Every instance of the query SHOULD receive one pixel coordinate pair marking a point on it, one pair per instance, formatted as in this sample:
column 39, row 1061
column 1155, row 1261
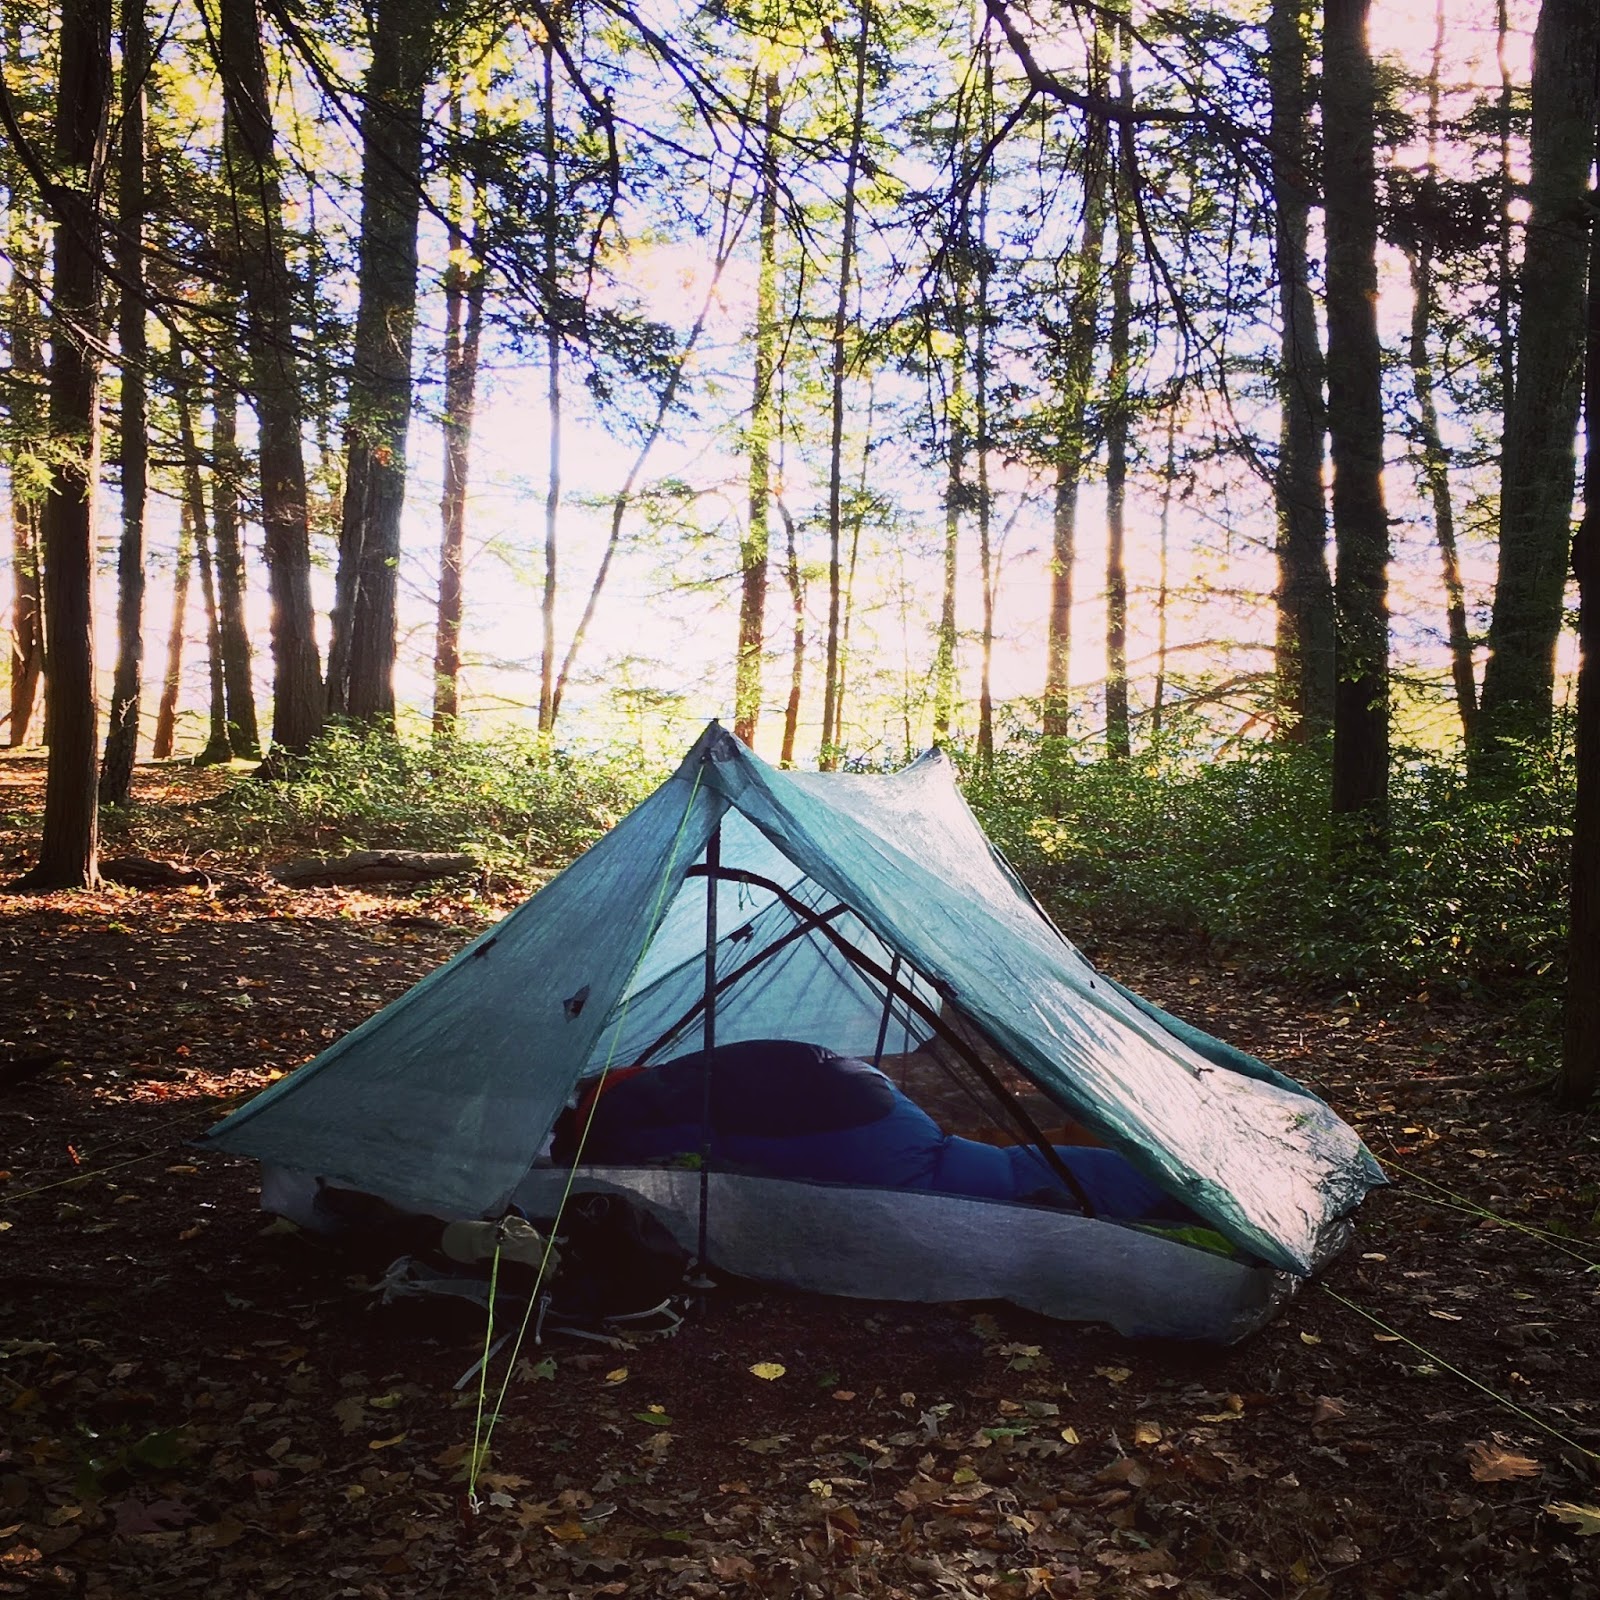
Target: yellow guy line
column 1466, row 1377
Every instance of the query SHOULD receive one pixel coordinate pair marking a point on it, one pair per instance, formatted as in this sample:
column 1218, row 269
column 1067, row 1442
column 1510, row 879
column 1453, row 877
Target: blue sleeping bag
column 785, row 1109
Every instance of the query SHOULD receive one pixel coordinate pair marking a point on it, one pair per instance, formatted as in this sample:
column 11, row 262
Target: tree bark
column 362, row 654
column 1435, row 457
column 955, row 495
column 797, row 648
column 1580, row 1048
column 987, row 565
column 1119, row 743
column 753, row 547
column 1304, row 655
column 1538, row 466
column 1163, row 576
column 219, row 744
column 1355, row 423
column 172, row 678
column 465, row 281
column 274, row 375
column 122, row 731
column 24, row 451
column 68, row 852
column 1074, row 378
column 828, row 758
column 552, row 290
column 237, row 667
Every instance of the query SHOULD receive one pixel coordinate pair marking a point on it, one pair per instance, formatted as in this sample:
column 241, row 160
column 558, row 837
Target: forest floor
column 194, row 1399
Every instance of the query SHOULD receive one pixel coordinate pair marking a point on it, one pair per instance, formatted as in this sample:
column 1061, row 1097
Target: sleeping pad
column 781, row 1108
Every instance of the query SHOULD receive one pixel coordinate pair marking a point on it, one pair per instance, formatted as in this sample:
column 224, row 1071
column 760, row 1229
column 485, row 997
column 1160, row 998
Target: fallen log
column 145, row 872
column 374, row 866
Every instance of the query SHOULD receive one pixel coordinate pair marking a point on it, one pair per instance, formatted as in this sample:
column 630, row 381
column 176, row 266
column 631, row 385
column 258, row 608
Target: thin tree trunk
column 858, row 517
column 122, row 729
column 1304, row 655
column 828, row 758
column 1538, row 465
column 274, row 375
column 1355, row 423
column 172, row 678
column 1118, row 424
column 68, row 851
column 624, row 496
column 988, row 577
column 361, row 660
column 797, row 656
column 552, row 502
column 1435, row 457
column 237, row 666
column 218, row 745
column 24, row 449
column 1076, row 374
column 1580, row 1051
column 1163, row 538
column 1505, row 299
column 944, row 657
column 464, row 288
column 753, row 546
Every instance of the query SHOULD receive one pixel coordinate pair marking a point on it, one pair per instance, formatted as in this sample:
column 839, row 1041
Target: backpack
column 617, row 1260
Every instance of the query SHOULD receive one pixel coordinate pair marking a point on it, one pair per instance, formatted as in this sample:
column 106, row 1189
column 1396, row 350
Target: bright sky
column 681, row 638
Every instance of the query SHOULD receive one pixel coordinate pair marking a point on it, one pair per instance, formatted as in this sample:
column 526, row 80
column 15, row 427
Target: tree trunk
column 237, row 667
column 624, row 496
column 361, row 659
column 1075, row 376
column 218, row 745
column 754, row 545
column 1539, row 462
column 1580, row 1051
column 1355, row 424
column 987, row 574
column 552, row 289
column 1435, row 457
column 835, row 736
column 1164, row 538
column 24, row 442
column 172, row 679
column 955, row 489
column 1119, row 745
column 797, row 649
column 122, row 730
column 828, row 758
column 465, row 281
column 274, row 373
column 1505, row 299
column 68, row 852
column 1305, row 649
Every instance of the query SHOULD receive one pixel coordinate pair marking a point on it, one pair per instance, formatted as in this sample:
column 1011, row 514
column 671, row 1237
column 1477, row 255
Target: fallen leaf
column 617, row 1375
column 1147, row 1433
column 1490, row 1464
column 383, row 1444
column 1586, row 1519
column 769, row 1370
column 1114, row 1374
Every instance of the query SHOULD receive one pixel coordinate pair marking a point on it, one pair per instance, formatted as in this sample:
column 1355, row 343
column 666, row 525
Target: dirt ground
column 194, row 1399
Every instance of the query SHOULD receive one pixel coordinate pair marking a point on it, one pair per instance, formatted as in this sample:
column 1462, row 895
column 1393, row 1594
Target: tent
column 741, row 902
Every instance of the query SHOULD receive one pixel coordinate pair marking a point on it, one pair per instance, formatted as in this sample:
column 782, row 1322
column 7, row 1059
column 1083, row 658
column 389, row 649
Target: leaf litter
column 194, row 1401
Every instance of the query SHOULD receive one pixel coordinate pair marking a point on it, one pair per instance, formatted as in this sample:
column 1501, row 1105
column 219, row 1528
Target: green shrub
column 517, row 804
column 1241, row 850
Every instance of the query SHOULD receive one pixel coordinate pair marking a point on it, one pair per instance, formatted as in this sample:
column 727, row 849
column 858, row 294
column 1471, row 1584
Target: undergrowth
column 1470, row 895
column 512, row 801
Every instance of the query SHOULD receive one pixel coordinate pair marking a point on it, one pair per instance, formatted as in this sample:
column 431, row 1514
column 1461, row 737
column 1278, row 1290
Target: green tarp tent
column 443, row 1101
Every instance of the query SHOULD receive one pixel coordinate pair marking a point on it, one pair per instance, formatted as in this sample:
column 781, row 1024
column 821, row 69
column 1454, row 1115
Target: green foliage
column 513, row 801
column 1240, row 850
